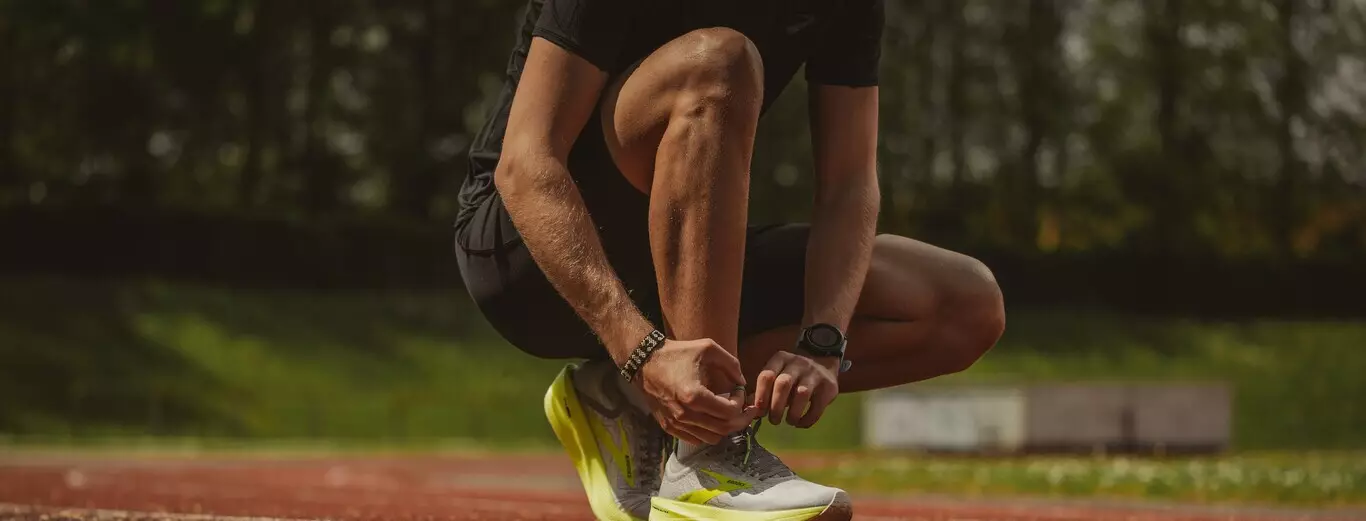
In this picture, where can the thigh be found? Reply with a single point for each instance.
(911, 280)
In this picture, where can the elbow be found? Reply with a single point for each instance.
(507, 176)
(525, 168)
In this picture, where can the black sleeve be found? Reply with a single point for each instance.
(591, 29)
(848, 45)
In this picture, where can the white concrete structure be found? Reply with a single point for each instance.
(960, 419)
(1051, 417)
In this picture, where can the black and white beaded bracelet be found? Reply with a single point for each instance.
(647, 347)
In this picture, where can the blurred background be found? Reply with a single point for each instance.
(230, 221)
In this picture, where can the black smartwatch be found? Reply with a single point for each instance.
(824, 340)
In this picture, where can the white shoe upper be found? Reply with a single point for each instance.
(740, 474)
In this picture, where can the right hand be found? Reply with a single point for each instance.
(683, 378)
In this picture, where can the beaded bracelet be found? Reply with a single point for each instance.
(647, 347)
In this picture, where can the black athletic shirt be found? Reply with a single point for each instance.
(839, 41)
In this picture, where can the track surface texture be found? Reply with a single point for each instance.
(435, 488)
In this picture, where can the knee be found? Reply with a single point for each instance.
(975, 313)
(718, 66)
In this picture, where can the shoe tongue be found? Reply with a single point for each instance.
(736, 441)
(685, 450)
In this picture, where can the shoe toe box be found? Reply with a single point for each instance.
(787, 495)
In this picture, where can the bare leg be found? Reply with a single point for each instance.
(681, 127)
(924, 312)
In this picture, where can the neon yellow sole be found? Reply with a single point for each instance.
(669, 510)
(570, 423)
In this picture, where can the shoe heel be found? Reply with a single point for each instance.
(570, 423)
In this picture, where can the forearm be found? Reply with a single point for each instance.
(555, 226)
(839, 251)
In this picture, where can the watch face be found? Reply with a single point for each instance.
(824, 336)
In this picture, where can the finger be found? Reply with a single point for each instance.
(683, 434)
(823, 397)
(737, 397)
(751, 412)
(706, 434)
(670, 426)
(746, 414)
(801, 397)
(782, 387)
(763, 389)
(742, 420)
(704, 401)
(711, 416)
(763, 386)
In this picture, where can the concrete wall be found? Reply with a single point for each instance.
(1183, 417)
(1066, 416)
(1172, 417)
(955, 419)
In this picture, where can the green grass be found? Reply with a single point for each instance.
(90, 359)
(84, 360)
(1300, 479)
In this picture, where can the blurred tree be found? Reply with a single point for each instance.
(259, 64)
(1216, 130)
(316, 162)
(9, 176)
(1043, 110)
(1290, 96)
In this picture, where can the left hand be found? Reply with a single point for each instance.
(790, 382)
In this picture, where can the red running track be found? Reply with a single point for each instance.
(429, 488)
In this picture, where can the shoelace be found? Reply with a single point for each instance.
(747, 455)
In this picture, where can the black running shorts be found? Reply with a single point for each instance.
(515, 297)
